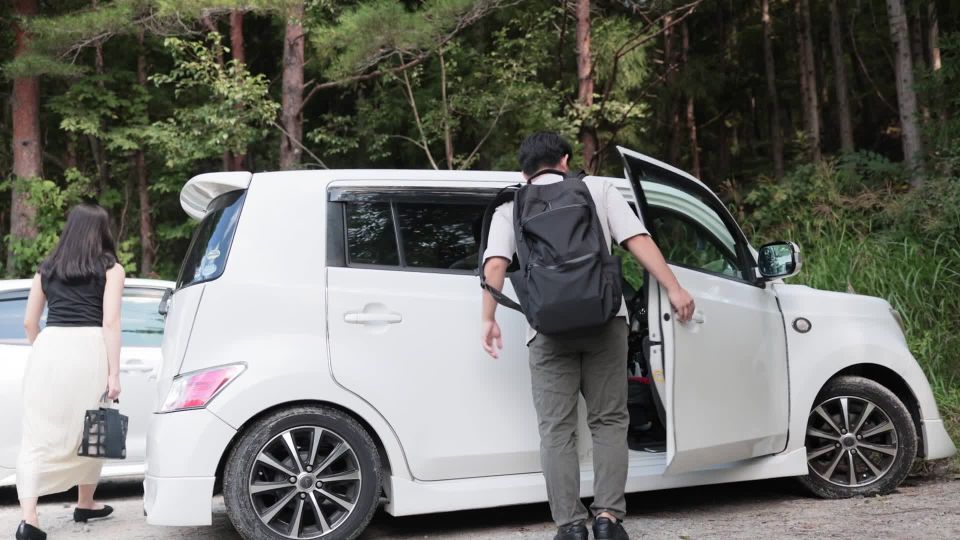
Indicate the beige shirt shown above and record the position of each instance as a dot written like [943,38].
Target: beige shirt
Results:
[617,220]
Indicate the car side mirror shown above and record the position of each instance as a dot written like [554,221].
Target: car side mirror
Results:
[779,260]
[164,306]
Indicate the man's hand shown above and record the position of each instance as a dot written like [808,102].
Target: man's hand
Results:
[682,303]
[490,337]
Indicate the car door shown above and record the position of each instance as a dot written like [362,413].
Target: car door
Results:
[404,331]
[726,370]
[140,361]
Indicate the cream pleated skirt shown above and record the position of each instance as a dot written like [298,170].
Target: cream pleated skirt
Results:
[65,376]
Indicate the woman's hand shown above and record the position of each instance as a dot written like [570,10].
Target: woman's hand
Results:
[113,387]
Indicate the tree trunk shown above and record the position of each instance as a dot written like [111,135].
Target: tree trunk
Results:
[808,79]
[588,135]
[239,56]
[840,79]
[906,94]
[691,110]
[99,148]
[147,248]
[672,116]
[291,118]
[27,153]
[776,131]
[225,160]
[933,36]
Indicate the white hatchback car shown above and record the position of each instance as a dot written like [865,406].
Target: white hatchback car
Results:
[322,356]
[141,333]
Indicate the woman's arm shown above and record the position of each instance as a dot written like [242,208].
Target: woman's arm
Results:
[35,303]
[112,295]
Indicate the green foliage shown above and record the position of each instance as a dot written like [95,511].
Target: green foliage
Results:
[233,108]
[52,202]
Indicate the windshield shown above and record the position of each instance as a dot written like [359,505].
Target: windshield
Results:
[210,246]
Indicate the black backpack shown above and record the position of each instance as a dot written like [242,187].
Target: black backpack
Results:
[567,279]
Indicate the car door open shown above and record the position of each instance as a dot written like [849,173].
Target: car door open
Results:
[726,379]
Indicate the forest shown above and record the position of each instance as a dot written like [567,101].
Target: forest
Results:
[826,122]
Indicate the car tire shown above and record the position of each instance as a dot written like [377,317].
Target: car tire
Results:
[339,475]
[878,437]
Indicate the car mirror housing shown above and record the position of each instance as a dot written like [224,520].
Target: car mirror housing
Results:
[778,260]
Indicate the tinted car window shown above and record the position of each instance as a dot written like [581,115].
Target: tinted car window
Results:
[207,255]
[11,319]
[687,243]
[140,323]
[371,238]
[440,235]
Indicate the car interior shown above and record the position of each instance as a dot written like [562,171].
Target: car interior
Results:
[647,415]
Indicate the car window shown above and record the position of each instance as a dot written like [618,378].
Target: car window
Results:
[11,319]
[685,242]
[440,235]
[371,238]
[141,325]
[207,255]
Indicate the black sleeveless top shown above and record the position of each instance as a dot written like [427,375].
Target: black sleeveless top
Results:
[74,302]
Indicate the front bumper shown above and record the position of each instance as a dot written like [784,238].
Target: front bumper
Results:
[183,451]
[936,441]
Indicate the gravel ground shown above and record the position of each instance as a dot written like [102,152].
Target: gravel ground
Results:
[920,509]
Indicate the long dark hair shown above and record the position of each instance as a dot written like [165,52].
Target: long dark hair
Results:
[86,248]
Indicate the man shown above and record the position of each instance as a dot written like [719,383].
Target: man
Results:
[564,366]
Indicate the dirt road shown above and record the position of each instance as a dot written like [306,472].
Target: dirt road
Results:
[921,509]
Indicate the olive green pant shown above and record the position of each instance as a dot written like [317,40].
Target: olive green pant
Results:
[562,369]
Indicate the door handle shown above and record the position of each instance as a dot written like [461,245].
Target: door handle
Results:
[135,365]
[360,317]
[697,317]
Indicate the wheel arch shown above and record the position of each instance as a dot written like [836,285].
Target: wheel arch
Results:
[377,440]
[892,381]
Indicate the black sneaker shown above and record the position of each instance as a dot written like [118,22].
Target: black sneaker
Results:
[573,531]
[608,529]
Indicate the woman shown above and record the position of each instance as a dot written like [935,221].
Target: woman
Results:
[75,359]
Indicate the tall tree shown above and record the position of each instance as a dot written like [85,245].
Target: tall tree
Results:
[148,249]
[840,79]
[776,131]
[672,109]
[691,108]
[27,153]
[906,94]
[238,159]
[933,36]
[808,79]
[588,135]
[291,103]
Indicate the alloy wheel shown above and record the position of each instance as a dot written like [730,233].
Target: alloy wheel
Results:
[851,442]
[305,482]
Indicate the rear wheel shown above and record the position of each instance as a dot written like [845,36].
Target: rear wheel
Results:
[301,473]
[860,440]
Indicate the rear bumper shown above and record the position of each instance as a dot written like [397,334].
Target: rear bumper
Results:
[183,451]
[936,441]
[178,501]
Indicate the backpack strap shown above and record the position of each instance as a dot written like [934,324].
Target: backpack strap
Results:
[504,195]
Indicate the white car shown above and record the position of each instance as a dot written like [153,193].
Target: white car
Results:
[322,355]
[141,333]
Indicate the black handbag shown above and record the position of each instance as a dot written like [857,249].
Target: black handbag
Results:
[104,432]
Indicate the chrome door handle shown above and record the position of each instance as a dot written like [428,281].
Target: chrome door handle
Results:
[135,365]
[360,317]
[697,317]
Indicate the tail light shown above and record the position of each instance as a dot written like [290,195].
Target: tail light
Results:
[196,389]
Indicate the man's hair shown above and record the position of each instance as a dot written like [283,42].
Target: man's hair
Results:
[542,150]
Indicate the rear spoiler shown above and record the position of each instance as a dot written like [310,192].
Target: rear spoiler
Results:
[196,194]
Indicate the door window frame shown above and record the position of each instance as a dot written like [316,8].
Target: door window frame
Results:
[667,211]
[702,194]
[338,254]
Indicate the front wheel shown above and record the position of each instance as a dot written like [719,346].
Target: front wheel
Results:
[861,440]
[302,472]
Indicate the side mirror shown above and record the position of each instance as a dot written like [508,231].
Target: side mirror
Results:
[164,306]
[779,260]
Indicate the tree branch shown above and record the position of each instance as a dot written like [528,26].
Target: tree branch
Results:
[447,140]
[299,144]
[416,116]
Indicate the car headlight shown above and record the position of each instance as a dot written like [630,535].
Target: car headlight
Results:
[196,389]
[899,319]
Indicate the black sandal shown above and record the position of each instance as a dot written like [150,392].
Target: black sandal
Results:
[81,515]
[27,531]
